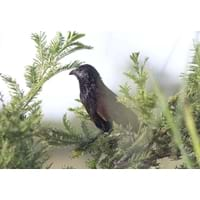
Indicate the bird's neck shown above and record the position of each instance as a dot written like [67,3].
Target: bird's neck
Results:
[88,85]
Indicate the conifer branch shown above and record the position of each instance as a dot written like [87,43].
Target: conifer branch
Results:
[22,141]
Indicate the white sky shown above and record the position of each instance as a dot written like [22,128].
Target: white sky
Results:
[114,28]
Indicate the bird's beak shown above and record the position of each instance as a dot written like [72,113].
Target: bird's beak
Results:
[73,72]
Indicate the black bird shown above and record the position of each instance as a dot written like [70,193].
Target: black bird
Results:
[100,102]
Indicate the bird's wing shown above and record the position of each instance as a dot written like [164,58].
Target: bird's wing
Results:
[102,108]
[98,115]
[111,109]
[96,111]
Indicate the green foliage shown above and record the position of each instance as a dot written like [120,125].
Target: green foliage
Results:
[169,127]
[21,142]
[123,148]
[143,101]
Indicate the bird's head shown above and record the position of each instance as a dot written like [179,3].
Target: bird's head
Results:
[85,72]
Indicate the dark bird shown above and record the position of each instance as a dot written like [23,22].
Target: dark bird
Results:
[100,102]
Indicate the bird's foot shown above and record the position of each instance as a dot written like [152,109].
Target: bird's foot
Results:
[108,132]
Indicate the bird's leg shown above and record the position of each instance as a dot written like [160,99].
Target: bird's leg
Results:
[108,132]
[85,144]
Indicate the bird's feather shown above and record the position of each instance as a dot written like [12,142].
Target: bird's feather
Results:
[110,108]
[100,102]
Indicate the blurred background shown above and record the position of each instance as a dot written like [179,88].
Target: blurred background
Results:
[168,56]
[157,29]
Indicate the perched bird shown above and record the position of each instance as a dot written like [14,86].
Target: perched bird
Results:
[100,102]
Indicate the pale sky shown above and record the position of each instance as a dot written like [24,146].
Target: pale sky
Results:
[114,30]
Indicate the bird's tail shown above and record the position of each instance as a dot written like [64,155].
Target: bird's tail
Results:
[124,116]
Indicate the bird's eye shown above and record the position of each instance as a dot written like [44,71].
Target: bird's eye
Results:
[80,69]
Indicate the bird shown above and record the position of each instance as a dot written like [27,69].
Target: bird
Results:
[100,102]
